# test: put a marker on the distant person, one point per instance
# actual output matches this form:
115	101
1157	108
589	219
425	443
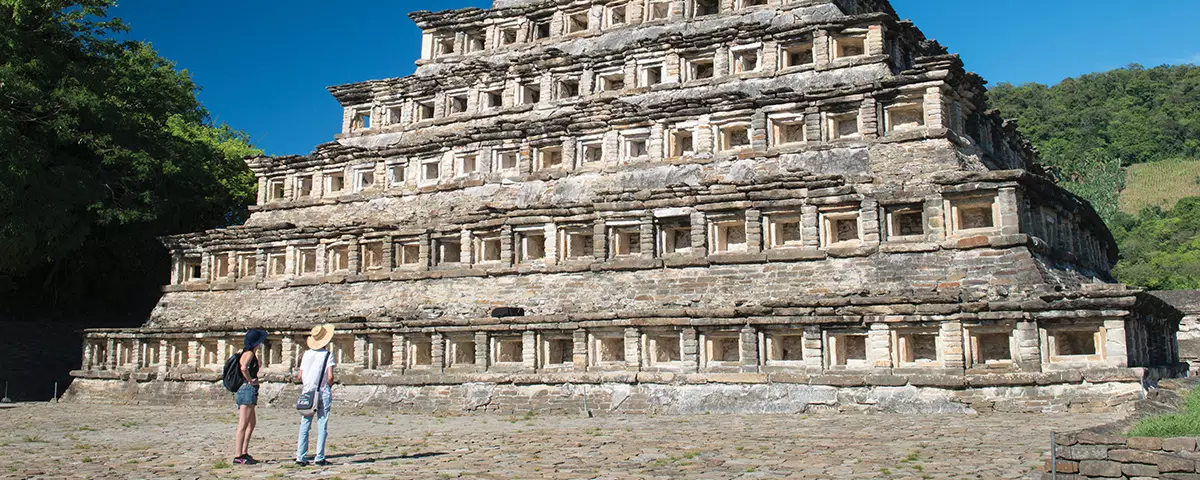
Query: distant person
316	374
247	397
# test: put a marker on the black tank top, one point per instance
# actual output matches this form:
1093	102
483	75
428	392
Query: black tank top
252	366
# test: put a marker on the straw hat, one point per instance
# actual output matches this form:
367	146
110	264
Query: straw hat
320	337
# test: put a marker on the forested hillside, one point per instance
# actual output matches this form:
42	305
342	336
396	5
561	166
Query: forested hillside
1091	129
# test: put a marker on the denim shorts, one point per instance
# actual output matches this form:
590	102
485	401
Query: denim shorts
247	395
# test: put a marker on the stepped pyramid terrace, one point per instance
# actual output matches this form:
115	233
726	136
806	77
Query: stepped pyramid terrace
660	206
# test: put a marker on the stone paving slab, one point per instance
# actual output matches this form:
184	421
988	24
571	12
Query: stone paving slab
90	441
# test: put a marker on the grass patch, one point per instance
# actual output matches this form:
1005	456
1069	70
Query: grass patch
1159	184
1183	424
221	464
33	439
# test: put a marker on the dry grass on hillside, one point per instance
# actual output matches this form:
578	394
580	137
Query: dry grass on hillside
1161	184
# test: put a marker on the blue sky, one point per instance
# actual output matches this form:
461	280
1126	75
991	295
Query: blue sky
263	65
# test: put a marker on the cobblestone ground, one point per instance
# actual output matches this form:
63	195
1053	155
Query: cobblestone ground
82	441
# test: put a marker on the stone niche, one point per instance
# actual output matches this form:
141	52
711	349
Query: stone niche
557	350
460	352
607	349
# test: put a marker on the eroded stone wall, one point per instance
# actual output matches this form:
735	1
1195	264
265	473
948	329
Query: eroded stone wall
584	291
635	398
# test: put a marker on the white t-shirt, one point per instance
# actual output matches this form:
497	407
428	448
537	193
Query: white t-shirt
310	368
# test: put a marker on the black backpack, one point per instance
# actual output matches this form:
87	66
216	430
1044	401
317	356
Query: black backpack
232	377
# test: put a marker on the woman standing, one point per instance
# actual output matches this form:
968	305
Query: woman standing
247	397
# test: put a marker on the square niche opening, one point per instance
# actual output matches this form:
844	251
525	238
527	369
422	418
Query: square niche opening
675	236
798	54
735	136
682	142
699	68
559	351
577	242
729	236
916	347
488	247
338	258
785	347
626	241
420	353
531	245
509	350
664	348
658	10
461	352
847	350
991	347
610	349
723	349
905	221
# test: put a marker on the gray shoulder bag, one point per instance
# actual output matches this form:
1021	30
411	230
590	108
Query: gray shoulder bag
307	404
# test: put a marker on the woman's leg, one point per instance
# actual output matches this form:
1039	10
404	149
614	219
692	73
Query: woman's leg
251	421
239	437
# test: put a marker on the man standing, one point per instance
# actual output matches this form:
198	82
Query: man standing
316	373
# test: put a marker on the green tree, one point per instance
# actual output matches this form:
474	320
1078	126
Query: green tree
1087	128
1134	114
103	147
1161	249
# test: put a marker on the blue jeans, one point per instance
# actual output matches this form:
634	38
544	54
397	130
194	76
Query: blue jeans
322	416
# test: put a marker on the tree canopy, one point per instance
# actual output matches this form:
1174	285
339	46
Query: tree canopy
1132	114
1161	249
105	147
1088	128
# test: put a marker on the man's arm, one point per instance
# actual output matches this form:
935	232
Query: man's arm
329	376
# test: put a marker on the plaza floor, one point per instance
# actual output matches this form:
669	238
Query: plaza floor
89	441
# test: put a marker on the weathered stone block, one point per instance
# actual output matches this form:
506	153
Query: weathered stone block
1139	470
1172	463
1063	466
1100	468
1145	443
1092	438
1084	452
1180	444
